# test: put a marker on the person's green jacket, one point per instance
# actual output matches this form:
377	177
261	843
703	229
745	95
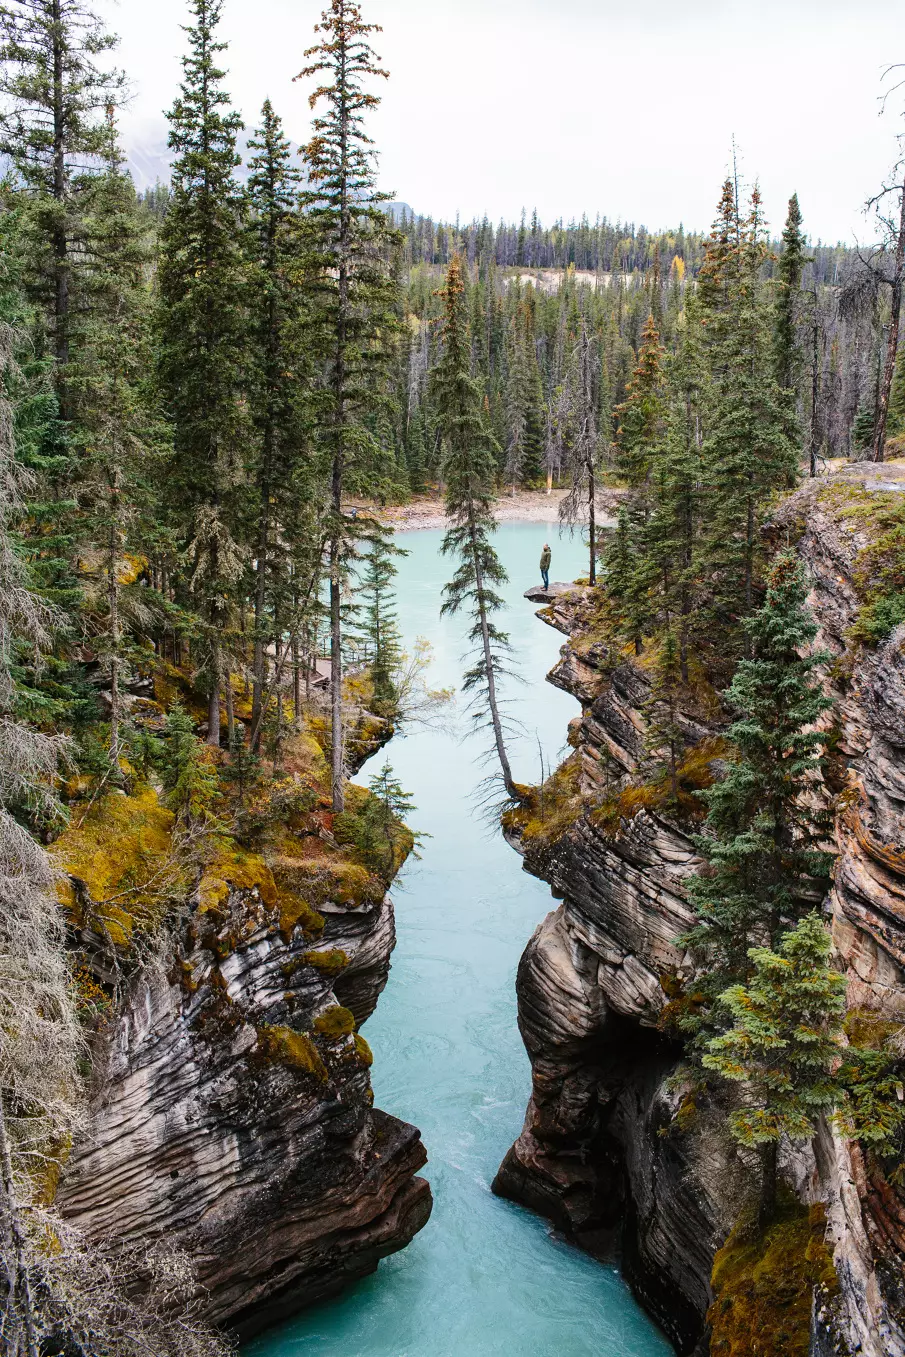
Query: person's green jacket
545	559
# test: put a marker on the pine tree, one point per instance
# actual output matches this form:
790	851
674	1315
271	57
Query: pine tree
896	422
677	496
202	336
469	470
281	469
747	450
766	827
782	1045
664	737
116	423
377	609
789	274
353	293
54	133
863	426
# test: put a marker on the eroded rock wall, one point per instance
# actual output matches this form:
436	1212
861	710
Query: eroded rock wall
610	1137
234	1114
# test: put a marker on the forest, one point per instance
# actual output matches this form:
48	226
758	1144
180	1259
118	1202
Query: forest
211	390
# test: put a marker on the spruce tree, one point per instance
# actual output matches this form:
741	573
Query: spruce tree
782	1045
281	471
788	294
54	133
117	424
469	471
202	336
766	827
377	611
353	295
747	450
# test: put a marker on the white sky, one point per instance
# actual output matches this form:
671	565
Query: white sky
622	107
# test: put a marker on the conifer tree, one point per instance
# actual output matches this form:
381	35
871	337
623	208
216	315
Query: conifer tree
353	293
53	132
747	449
789	274
202	335
469	471
281	472
674	528
121	437
379	623
664	737
766	827
782	1045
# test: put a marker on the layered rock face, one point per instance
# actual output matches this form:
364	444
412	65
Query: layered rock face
613	1140
234	1113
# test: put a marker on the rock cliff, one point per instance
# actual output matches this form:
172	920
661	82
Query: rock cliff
233	1112
614	1142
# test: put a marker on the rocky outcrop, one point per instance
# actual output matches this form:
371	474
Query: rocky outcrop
614	1143
234	1115
233	1111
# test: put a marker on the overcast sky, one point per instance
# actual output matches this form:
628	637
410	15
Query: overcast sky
620	107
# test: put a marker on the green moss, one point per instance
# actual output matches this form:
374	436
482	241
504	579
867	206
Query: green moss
237	868
285	1046
335	1022
545	813
763	1285
694	774
867	1030
119	855
879	576
330	962
363	1051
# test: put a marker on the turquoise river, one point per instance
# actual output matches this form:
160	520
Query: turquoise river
484	1276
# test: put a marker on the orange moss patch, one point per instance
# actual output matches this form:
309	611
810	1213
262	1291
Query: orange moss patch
763	1285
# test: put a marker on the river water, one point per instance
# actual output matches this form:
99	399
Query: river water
484	1276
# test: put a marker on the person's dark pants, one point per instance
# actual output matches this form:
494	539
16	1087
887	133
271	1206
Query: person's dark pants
545	576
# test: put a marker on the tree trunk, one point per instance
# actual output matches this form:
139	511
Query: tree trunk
336	676
892	343
113	604
592	572
213	703
508	781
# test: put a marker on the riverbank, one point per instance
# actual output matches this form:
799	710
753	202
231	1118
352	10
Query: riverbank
525	506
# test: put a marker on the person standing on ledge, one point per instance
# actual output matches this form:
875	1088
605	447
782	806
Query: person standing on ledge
545	559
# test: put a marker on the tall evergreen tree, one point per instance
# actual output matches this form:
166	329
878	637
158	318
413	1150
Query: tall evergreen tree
353	294
53	131
766	826
747	450
469	470
117	426
788	299
378	614
281	470
203	334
